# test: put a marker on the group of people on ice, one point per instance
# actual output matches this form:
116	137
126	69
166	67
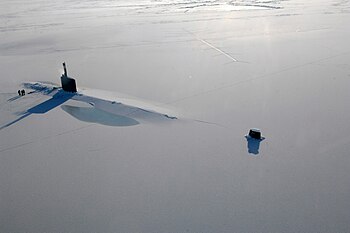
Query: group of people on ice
21	92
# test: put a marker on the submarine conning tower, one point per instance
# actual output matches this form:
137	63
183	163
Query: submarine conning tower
68	84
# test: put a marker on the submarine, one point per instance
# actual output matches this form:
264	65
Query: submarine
68	84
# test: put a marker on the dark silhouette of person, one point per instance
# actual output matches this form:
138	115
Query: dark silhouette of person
19	92
23	92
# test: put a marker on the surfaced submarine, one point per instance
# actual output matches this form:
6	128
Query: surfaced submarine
68	83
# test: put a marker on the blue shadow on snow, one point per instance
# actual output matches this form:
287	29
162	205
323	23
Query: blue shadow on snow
57	99
253	144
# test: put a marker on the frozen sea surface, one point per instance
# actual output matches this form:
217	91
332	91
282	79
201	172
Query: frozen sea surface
223	67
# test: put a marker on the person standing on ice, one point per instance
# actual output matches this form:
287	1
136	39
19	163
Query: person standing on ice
19	92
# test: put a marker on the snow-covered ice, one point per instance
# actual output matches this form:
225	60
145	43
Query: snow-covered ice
103	161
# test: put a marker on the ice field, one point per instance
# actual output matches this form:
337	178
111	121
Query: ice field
154	140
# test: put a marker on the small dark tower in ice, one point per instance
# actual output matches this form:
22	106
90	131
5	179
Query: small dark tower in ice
68	84
255	133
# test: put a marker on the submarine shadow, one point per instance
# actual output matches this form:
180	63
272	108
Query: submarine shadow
94	115
57	99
